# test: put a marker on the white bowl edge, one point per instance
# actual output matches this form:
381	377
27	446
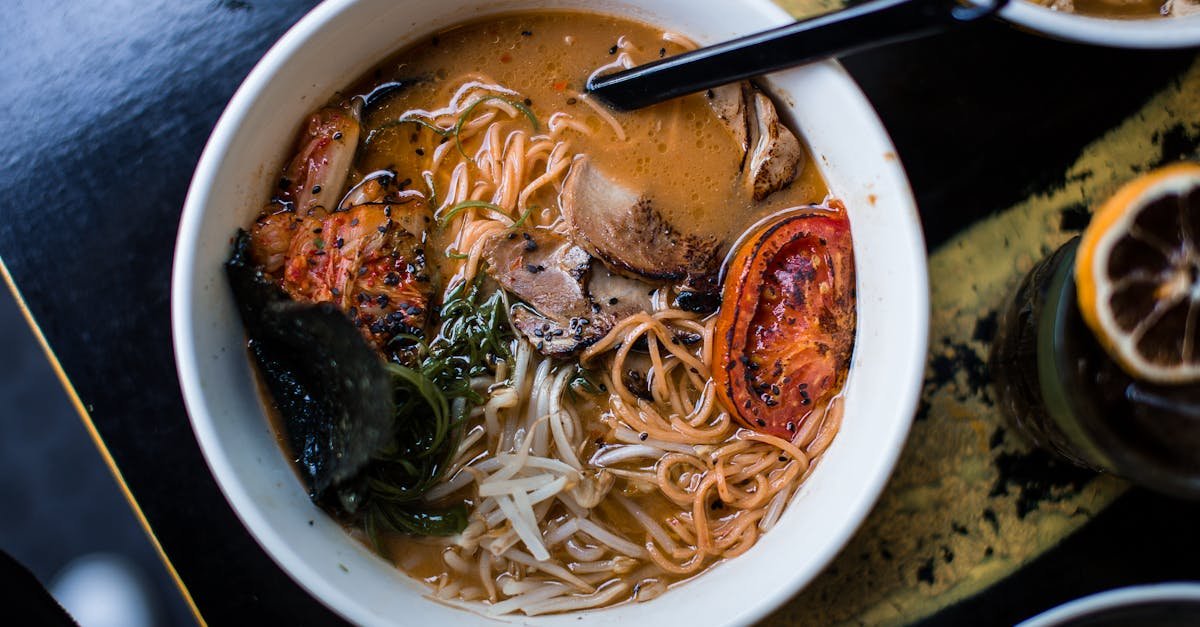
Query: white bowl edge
1149	33
188	288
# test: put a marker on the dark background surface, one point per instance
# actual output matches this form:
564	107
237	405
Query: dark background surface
106	105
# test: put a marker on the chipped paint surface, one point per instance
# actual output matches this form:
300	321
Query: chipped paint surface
809	8
969	503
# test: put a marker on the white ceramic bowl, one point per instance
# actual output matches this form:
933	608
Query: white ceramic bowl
334	44
1180	32
1161	601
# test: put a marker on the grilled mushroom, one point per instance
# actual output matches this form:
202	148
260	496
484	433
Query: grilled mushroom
771	153
547	272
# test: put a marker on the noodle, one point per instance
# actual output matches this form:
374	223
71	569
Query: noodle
580	496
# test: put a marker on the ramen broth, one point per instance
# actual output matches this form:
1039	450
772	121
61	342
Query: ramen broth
1122	9
677	151
710	484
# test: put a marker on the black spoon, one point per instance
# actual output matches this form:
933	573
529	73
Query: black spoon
868	25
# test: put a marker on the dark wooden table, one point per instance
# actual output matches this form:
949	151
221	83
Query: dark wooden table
106	106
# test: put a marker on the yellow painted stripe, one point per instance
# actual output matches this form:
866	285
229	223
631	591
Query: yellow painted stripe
91	429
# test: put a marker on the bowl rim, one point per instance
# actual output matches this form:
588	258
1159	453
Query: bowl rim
1171	591
1147	33
184	269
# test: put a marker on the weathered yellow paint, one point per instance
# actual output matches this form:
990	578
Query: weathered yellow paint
946	472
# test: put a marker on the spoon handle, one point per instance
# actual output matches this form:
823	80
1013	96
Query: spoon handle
867	25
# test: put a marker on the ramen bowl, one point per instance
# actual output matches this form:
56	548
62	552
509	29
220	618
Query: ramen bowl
1150	32
342	39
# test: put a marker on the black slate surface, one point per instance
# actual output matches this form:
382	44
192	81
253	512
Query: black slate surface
107	106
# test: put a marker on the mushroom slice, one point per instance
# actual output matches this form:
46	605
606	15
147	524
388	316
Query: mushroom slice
776	154
618	296
626	231
729	103
1182	8
557	338
547	272
543	269
771	154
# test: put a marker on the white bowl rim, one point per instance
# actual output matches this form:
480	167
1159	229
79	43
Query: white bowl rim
1148	33
220	464
1117	597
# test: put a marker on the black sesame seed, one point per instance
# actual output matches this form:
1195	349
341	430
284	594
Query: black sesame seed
612	50
662	52
420	152
337	135
760	422
528	102
571	100
526	33
643	435
782	459
316	189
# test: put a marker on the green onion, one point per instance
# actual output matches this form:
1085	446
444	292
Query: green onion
444	132
467	204
519	106
524	216
433	400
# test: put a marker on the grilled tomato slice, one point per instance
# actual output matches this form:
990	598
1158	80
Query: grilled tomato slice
786	326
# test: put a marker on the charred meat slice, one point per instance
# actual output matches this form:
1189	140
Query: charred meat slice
547	272
626	231
324	153
369	261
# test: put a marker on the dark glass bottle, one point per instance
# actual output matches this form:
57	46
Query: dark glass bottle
1059	389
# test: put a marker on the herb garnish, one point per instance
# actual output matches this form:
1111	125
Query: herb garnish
467	114
433	400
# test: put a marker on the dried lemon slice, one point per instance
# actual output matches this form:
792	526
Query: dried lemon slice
1138	275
